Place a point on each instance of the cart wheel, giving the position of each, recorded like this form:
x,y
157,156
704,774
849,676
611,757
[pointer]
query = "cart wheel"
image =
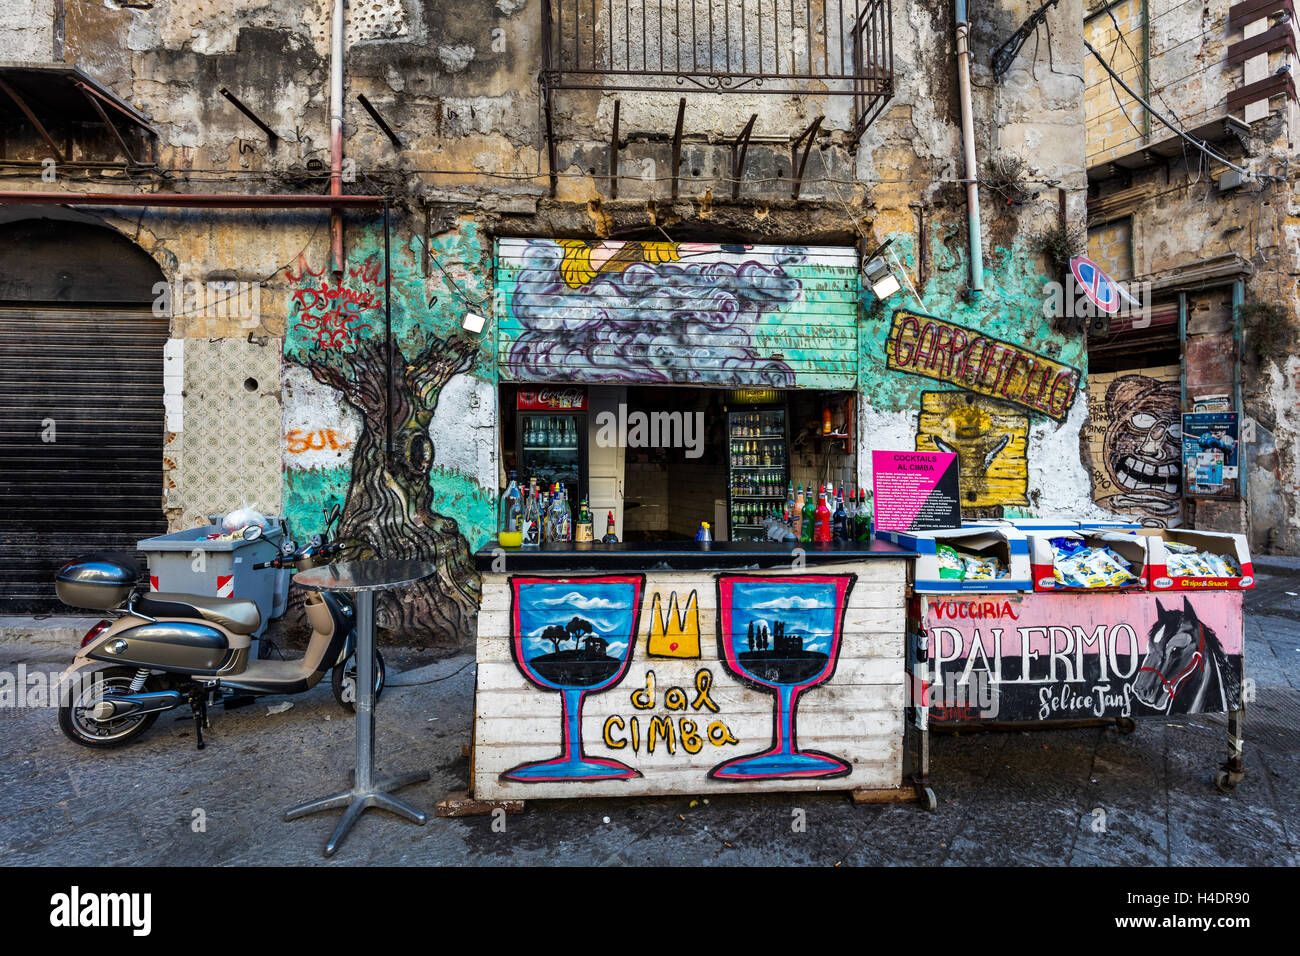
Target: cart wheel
x,y
925,796
1226,780
1125,725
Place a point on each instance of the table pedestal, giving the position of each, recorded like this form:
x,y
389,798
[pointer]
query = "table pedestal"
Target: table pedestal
x,y
366,792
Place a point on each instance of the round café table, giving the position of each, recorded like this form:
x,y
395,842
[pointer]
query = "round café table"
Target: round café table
x,y
364,578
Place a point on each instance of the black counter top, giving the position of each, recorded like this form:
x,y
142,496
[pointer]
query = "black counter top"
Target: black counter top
x,y
678,555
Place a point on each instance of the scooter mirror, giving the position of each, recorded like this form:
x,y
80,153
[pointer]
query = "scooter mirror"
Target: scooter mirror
x,y
252,532
315,541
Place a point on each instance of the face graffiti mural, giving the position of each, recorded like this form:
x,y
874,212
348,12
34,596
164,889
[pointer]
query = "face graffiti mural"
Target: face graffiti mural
x,y
663,313
388,511
990,438
1137,468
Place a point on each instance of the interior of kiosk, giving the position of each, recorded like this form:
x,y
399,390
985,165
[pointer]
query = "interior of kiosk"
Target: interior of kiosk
x,y
663,459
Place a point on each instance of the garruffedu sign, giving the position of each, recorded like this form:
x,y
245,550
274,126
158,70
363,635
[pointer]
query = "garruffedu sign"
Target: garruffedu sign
x,y
925,345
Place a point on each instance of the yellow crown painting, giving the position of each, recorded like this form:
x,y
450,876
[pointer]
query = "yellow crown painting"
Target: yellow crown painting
x,y
676,634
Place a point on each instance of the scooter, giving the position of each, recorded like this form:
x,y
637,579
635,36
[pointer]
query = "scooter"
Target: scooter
x,y
169,649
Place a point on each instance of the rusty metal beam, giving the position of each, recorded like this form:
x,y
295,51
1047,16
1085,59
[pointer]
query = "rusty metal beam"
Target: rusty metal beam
x,y
738,150
191,200
121,140
613,157
271,134
677,144
379,120
10,92
797,162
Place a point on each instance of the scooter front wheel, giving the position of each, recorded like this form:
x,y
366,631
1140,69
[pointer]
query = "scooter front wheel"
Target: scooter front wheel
x,y
80,727
344,681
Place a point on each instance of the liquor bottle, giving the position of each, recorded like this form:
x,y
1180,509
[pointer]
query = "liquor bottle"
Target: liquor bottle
x,y
862,520
767,454
545,516
582,531
809,512
562,522
840,520
610,536
511,515
796,514
822,518
531,525
789,501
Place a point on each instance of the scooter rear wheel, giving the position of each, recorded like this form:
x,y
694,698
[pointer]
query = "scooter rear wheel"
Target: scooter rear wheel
x,y
79,727
344,681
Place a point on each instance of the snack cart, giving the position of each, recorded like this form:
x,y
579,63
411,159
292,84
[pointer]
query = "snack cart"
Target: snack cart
x,y
1055,639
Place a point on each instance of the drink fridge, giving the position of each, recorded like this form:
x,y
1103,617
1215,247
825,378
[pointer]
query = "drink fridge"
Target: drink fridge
x,y
552,447
759,468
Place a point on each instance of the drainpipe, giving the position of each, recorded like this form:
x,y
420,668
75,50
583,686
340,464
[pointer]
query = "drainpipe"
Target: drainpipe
x,y
336,138
968,142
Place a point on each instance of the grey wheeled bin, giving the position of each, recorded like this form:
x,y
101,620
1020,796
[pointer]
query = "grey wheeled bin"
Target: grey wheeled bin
x,y
188,562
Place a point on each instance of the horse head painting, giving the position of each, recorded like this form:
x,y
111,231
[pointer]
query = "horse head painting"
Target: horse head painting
x,y
1185,670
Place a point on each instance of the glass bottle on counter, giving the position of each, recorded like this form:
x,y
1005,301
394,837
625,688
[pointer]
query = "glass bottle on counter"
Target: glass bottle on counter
x,y
821,518
531,521
582,531
610,536
862,519
511,510
840,520
562,521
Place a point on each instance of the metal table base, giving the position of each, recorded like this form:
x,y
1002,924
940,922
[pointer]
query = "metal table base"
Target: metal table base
x,y
366,793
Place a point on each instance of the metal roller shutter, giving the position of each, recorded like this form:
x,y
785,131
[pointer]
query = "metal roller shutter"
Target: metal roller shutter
x,y
677,313
90,379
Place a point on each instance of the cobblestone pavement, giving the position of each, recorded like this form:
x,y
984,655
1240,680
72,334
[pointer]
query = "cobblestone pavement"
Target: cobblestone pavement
x,y
1005,798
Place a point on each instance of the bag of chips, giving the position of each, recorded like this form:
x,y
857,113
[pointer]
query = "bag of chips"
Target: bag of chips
x,y
950,562
979,569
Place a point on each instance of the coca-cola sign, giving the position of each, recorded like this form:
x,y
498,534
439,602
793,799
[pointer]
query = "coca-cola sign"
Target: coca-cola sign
x,y
572,398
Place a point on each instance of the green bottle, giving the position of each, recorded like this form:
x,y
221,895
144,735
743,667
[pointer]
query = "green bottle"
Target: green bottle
x,y
809,508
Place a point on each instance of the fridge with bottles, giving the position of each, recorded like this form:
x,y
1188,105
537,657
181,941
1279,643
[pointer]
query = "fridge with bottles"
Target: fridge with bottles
x,y
551,439
758,478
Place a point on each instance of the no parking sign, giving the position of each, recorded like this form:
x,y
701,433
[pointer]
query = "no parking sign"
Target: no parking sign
x,y
1101,290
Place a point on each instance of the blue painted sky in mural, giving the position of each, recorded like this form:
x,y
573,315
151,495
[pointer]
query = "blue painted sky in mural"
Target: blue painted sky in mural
x,y
807,608
607,606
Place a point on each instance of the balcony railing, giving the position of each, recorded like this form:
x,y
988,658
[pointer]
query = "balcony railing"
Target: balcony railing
x,y
824,47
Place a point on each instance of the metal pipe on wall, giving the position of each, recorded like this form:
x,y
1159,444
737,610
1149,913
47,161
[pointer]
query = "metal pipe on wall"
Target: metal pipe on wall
x,y
336,137
968,143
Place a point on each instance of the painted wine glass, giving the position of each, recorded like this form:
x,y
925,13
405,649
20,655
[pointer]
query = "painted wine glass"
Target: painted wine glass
x,y
781,635
575,636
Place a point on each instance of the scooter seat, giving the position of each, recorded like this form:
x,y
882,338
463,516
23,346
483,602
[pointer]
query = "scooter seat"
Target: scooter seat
x,y
235,614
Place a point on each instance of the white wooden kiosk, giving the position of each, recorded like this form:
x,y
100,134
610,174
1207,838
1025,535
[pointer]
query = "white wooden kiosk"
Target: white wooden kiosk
x,y
626,670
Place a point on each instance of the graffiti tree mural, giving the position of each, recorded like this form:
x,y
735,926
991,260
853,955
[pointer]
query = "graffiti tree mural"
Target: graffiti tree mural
x,y
389,507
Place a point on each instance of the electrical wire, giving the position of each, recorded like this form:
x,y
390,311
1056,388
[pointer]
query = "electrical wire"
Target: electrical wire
x,y
1203,147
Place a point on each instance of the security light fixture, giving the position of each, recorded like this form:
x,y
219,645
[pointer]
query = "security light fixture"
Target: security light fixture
x,y
876,271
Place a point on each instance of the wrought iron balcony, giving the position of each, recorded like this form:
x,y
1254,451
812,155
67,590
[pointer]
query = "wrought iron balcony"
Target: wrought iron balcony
x,y
819,47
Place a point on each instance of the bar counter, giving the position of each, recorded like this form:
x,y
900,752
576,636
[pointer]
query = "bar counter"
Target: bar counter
x,y
680,668
682,555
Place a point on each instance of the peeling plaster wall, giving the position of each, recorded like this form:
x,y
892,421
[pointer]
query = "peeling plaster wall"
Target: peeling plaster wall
x,y
1179,218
